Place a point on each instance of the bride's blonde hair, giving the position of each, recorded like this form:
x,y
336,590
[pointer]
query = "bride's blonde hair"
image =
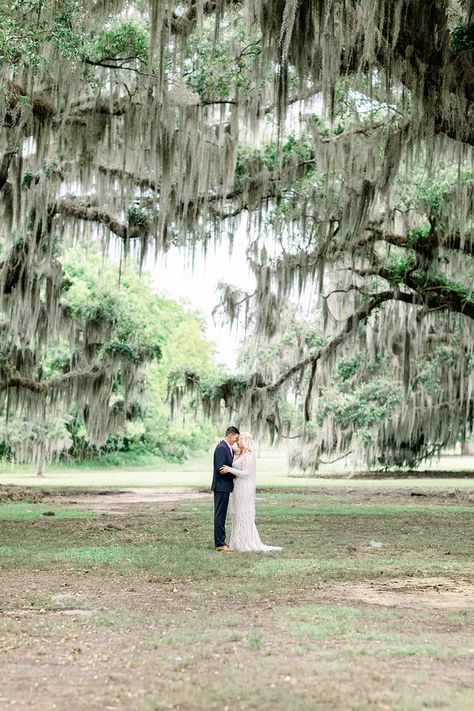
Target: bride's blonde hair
x,y
246,441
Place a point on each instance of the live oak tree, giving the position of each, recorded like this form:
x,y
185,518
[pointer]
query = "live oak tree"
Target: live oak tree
x,y
121,329
159,123
136,315
357,412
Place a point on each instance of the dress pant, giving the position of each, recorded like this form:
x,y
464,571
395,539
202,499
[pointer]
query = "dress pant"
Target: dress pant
x,y
221,502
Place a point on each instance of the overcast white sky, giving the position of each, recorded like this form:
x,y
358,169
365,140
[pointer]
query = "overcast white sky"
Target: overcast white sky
x,y
174,275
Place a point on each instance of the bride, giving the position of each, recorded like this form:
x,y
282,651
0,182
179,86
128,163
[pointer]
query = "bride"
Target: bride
x,y
244,535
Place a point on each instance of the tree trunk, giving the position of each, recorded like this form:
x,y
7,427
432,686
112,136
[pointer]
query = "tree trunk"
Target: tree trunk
x,y
40,461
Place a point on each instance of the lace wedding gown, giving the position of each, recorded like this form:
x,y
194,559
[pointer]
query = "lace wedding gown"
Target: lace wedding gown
x,y
244,536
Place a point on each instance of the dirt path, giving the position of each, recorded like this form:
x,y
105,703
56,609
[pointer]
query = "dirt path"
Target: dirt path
x,y
121,502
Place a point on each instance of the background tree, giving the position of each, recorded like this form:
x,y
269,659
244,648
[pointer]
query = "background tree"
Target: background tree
x,y
137,318
158,127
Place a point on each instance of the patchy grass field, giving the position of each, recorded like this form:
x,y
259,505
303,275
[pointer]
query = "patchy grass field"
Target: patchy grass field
x,y
369,605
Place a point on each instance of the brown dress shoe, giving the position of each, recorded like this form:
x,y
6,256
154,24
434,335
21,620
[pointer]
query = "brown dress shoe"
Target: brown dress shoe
x,y
224,549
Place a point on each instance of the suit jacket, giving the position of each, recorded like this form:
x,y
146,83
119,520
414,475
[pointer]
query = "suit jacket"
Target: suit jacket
x,y
222,482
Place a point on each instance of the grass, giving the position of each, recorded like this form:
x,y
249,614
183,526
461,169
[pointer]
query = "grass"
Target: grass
x,y
168,623
180,544
23,511
196,472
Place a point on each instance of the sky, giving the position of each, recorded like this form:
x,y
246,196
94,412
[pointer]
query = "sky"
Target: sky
x,y
196,287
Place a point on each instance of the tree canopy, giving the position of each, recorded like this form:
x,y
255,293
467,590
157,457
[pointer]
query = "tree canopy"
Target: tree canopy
x,y
344,128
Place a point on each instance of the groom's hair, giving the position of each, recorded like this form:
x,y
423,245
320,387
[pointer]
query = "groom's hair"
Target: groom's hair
x,y
231,430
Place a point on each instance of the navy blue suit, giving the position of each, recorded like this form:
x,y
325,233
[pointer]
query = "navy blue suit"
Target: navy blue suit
x,y
222,486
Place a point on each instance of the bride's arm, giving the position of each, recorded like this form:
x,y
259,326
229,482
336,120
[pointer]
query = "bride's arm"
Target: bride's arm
x,y
245,471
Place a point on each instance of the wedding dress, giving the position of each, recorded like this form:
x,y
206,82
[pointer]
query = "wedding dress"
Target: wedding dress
x,y
244,536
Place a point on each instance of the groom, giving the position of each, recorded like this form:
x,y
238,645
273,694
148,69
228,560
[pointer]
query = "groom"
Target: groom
x,y
222,485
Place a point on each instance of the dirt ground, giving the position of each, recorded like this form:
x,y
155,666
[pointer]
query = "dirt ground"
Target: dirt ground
x,y
90,638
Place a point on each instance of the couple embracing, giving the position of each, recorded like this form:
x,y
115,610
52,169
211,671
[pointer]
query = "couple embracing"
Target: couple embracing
x,y
235,473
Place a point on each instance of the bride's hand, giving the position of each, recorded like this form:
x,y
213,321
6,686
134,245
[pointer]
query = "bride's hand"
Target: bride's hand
x,y
224,469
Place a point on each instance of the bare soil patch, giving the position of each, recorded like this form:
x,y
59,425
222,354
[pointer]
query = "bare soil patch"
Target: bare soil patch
x,y
120,502
101,500
11,493
416,474
420,593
